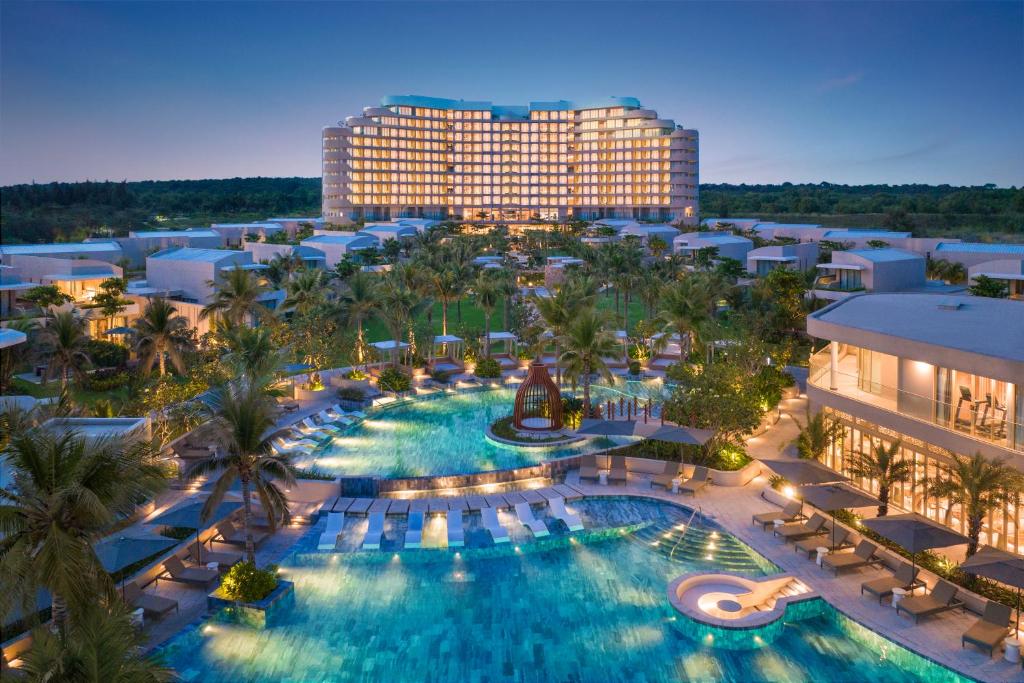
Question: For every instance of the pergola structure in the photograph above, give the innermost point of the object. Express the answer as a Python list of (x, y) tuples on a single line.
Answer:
[(446, 353), (538, 405)]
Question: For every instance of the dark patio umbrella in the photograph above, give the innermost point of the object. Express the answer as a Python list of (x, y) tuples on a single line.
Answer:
[(999, 565), (832, 497), (116, 553), (914, 533), (802, 472), (690, 436), (597, 427), (189, 516), (120, 331)]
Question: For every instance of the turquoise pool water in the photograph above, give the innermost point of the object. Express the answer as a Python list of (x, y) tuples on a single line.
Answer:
[(561, 611), (444, 434)]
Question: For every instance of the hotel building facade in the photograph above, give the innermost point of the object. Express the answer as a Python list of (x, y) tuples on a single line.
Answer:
[(442, 159), (943, 375)]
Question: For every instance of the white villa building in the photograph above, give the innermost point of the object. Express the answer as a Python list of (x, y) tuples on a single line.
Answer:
[(1009, 271), (728, 245), (943, 374), (870, 270), (336, 244), (764, 260)]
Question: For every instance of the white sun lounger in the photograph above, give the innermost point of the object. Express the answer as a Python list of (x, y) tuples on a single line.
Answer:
[(456, 534), (282, 446), (526, 518), (414, 534), (329, 538), (310, 428), (328, 427), (491, 523), (298, 440), (326, 419), (374, 532), (354, 413), (558, 510)]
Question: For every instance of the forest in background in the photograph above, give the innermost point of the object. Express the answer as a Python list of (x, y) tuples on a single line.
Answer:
[(72, 211)]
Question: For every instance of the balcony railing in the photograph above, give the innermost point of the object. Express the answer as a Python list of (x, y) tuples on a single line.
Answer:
[(988, 419)]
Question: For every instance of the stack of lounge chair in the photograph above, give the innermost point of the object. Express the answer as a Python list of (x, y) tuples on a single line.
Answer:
[(941, 599), (904, 577)]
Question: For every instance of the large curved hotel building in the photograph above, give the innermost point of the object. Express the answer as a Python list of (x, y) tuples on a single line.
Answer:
[(437, 158)]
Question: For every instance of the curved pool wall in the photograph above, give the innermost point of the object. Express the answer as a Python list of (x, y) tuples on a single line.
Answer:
[(445, 434), (594, 610)]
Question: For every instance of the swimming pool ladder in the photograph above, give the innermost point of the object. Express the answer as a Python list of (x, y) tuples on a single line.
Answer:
[(682, 536)]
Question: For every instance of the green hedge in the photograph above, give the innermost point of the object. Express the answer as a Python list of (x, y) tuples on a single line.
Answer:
[(487, 368), (393, 379), (245, 582)]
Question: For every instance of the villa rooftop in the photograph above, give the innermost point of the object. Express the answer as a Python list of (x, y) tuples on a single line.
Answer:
[(194, 254), (885, 255), (190, 232), (981, 247), (58, 248), (858, 233)]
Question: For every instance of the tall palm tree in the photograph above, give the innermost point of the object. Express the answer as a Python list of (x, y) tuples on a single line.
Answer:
[(160, 335), (243, 413), (305, 291), (884, 465), (251, 352), (67, 492), (506, 282), (587, 341), (444, 286), (487, 297), (398, 307), (979, 485), (237, 297), (64, 337), (816, 436), (100, 647), (359, 301), (686, 309)]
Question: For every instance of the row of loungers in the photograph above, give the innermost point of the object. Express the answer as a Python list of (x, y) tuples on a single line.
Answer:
[(453, 508), (987, 633), (618, 473)]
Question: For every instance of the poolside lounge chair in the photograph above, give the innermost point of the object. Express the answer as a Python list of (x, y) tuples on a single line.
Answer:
[(227, 533), (989, 632), (941, 599), (493, 526), (618, 472), (414, 534), (558, 510), (330, 429), (695, 483), (329, 538), (526, 518), (224, 560), (790, 513), (374, 532), (811, 544), (153, 606), (588, 467), (567, 492), (797, 530), (456, 534), (358, 414), (328, 419), (670, 472), (194, 576), (905, 576), (862, 556)]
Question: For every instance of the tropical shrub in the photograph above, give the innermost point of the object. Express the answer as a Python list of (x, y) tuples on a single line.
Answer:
[(356, 374), (441, 376), (393, 379), (355, 394), (572, 411), (487, 368), (246, 582), (634, 367), (106, 379), (105, 354)]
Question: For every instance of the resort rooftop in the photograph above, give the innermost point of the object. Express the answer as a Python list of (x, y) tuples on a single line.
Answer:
[(193, 254)]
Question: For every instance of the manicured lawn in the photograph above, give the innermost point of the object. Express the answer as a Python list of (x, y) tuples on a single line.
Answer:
[(82, 397), (472, 319)]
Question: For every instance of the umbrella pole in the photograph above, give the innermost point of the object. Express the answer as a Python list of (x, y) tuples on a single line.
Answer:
[(1015, 633)]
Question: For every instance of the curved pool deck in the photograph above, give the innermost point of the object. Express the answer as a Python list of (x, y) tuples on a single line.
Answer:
[(590, 610)]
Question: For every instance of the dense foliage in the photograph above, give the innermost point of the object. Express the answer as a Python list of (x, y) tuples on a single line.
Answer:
[(246, 582)]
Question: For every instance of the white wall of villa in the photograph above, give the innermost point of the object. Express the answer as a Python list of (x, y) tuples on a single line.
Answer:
[(763, 260), (1009, 271)]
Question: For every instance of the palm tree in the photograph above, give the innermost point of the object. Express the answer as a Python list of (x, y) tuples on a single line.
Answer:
[(444, 286), (237, 297), (100, 647), (251, 352), (978, 485), (243, 412), (12, 357), (686, 308), (506, 282), (160, 335), (63, 335), (399, 305), (816, 436), (884, 465), (586, 341), (359, 301), (67, 492), (487, 297), (305, 291), (556, 311)]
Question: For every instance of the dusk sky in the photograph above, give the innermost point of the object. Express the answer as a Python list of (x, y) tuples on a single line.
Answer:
[(805, 92)]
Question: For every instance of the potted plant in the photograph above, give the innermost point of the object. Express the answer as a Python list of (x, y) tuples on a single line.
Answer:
[(250, 595)]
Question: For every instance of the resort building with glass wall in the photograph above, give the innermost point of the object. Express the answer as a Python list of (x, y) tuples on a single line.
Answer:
[(943, 375), (438, 158)]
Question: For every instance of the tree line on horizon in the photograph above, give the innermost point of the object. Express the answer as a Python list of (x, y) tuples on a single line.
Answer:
[(40, 212)]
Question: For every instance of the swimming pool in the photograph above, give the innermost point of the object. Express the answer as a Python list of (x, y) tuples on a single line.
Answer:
[(591, 611), (444, 434)]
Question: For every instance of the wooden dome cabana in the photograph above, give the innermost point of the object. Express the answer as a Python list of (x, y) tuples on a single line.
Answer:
[(538, 405)]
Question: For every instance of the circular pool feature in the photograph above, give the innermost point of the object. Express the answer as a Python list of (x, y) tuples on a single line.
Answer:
[(446, 434), (728, 606)]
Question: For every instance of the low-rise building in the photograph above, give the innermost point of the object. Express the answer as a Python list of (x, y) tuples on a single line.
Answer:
[(973, 253), (742, 224), (79, 278), (383, 232), (265, 252), (644, 232), (1009, 271), (99, 250), (870, 270), (141, 243), (801, 256), (556, 267), (235, 234), (11, 287), (941, 375), (336, 245), (292, 226), (726, 243)]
